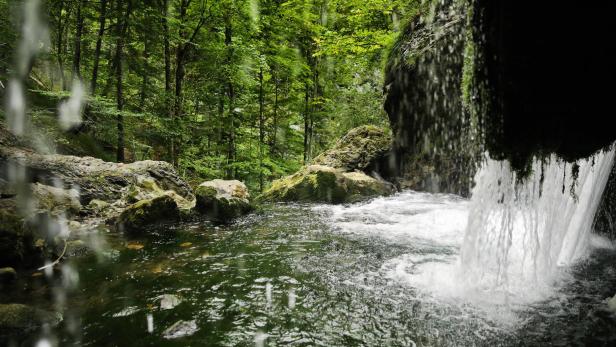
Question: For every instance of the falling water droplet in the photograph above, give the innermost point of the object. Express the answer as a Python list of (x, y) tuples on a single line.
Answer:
[(268, 294), (292, 298), (150, 320), (16, 108), (43, 343), (71, 109), (260, 338)]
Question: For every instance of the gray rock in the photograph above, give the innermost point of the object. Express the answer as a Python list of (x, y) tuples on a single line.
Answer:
[(169, 301), (55, 200), (357, 150), (181, 329), (100, 180), (223, 200)]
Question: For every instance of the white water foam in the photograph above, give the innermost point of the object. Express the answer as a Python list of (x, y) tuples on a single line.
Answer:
[(510, 246)]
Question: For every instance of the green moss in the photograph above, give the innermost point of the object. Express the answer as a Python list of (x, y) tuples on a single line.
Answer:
[(324, 184), (16, 239), (17, 317), (147, 212), (220, 208)]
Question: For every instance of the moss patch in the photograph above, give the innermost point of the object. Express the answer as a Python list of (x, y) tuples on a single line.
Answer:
[(147, 212)]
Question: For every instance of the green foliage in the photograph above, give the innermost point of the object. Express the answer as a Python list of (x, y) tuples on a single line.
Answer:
[(254, 89)]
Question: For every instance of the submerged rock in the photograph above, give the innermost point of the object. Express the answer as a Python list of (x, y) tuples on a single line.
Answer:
[(138, 216), (223, 200), (181, 329), (357, 150), (169, 301), (317, 183), (611, 304), (18, 318), (7, 275)]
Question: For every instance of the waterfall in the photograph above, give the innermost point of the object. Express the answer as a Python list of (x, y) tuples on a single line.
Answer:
[(521, 233)]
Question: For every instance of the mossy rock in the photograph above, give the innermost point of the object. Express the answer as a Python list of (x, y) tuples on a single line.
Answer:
[(56, 200), (223, 200), (317, 183), (16, 238), (18, 318), (144, 213), (357, 150)]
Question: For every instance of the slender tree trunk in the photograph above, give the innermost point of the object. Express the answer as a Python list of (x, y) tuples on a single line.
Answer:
[(261, 127), (221, 115), (275, 119), (59, 39), (99, 43), (231, 95), (145, 73), (78, 36), (179, 60), (306, 125), (122, 27), (167, 54)]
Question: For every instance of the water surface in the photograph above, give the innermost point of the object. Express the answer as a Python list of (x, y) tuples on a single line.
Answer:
[(355, 275)]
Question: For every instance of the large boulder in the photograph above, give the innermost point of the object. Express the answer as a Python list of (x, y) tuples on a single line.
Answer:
[(96, 179), (111, 186), (223, 200), (137, 217), (28, 236), (357, 150), (16, 238), (318, 183), (18, 318)]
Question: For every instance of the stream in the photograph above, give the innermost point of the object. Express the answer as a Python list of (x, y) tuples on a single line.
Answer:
[(309, 275)]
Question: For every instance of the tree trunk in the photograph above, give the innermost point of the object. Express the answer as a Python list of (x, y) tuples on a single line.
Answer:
[(99, 43), (275, 119), (121, 30), (59, 51), (167, 54), (78, 36), (261, 127), (145, 73), (306, 125), (231, 95)]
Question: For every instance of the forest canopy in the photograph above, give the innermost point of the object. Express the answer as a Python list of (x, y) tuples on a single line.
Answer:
[(246, 89)]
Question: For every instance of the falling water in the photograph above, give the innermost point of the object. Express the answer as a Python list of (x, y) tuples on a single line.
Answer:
[(520, 235), (52, 225)]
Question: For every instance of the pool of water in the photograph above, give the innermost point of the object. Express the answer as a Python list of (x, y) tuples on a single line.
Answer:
[(308, 275)]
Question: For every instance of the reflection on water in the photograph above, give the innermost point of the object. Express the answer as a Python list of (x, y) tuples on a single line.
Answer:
[(305, 275)]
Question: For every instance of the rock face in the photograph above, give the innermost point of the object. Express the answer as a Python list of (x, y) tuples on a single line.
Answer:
[(317, 183), (17, 318), (138, 216), (435, 147), (535, 93), (55, 200), (223, 200), (359, 149), (605, 219)]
